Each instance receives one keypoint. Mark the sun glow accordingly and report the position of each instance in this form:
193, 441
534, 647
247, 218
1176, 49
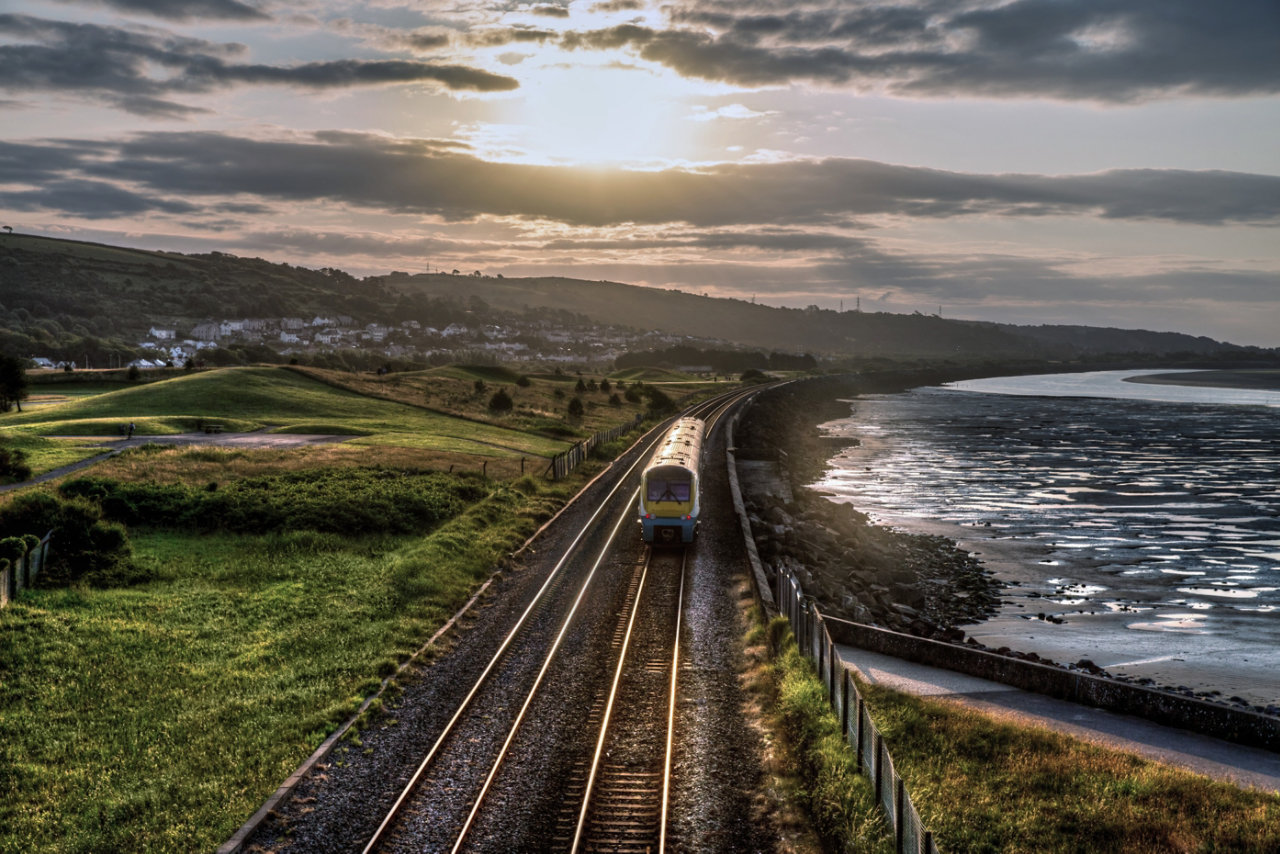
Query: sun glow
607, 115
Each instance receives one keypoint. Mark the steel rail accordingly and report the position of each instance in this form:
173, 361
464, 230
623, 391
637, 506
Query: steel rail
546, 665
671, 716
409, 788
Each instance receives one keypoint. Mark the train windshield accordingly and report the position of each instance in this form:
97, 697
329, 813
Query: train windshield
667, 490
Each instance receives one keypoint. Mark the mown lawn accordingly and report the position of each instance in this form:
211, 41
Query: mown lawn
159, 717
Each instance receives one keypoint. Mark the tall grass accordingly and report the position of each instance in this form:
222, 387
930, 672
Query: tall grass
839, 800
158, 717
984, 785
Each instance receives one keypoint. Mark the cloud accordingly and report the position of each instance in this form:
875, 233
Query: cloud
549, 11
441, 178
1101, 50
120, 64
186, 10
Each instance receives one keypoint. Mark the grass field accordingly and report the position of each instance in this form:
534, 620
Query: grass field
287, 401
158, 717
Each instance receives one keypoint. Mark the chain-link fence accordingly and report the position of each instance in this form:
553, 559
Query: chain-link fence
860, 732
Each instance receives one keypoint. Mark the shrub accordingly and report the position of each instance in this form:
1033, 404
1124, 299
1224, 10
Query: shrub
85, 547
604, 385
632, 395
659, 402
501, 401
580, 387
524, 381
13, 548
13, 465
479, 386
133, 373
576, 409
614, 400
346, 501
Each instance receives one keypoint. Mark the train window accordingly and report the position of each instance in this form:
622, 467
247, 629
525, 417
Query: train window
668, 490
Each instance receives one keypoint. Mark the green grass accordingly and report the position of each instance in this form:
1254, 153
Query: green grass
159, 717
982, 785
281, 400
44, 454
839, 800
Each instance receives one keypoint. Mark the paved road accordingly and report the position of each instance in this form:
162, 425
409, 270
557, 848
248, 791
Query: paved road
237, 440
1213, 757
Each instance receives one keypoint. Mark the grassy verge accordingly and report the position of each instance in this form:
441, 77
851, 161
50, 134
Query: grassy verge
45, 454
839, 801
984, 785
158, 717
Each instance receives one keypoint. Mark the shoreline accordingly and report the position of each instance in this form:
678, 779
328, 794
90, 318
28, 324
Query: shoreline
1050, 609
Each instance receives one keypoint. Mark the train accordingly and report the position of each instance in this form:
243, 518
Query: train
669, 486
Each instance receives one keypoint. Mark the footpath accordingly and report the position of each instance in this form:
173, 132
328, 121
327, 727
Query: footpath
1223, 760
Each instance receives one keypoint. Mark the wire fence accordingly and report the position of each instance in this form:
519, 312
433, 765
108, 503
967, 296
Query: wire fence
566, 461
21, 574
910, 834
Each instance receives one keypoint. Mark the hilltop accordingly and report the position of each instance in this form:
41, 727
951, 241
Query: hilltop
67, 299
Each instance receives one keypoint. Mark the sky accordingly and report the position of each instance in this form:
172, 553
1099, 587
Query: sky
1098, 162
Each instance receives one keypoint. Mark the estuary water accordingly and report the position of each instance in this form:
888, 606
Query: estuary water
1143, 534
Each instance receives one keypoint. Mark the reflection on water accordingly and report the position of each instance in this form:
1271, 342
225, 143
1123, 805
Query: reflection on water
1169, 503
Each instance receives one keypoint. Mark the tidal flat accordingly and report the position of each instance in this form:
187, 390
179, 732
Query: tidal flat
1141, 535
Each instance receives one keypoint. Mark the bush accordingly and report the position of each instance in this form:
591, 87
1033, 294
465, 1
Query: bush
332, 501
632, 395
614, 400
501, 401
85, 547
604, 385
576, 410
580, 387
659, 402
479, 386
13, 465
524, 381
12, 549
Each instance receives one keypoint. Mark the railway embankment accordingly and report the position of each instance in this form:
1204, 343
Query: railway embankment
909, 595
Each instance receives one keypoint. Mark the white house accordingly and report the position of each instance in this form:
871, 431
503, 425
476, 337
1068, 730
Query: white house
162, 334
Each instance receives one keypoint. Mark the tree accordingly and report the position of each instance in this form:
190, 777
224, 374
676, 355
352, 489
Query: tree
14, 385
501, 401
576, 408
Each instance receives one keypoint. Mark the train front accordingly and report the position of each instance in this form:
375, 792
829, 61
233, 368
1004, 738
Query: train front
669, 505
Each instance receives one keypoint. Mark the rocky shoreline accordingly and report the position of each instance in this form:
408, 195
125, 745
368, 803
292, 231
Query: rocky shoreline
921, 584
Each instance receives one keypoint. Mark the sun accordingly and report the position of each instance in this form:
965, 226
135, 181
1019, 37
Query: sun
608, 114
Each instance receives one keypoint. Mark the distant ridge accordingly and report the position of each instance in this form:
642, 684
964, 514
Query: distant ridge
55, 293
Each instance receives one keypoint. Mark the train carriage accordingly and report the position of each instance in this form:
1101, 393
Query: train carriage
669, 486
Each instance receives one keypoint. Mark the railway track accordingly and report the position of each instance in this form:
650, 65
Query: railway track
613, 798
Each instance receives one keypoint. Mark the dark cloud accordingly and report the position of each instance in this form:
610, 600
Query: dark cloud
549, 11
510, 35
436, 178
118, 64
91, 200
1105, 50
618, 6
186, 10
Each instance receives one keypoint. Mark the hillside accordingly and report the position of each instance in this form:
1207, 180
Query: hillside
69, 298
